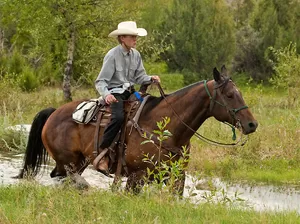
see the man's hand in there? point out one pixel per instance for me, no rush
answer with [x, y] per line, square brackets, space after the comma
[109, 99]
[155, 78]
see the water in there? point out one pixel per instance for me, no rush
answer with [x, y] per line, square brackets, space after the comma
[259, 198]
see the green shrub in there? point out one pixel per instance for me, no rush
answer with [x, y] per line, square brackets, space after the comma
[286, 66]
[28, 81]
[287, 72]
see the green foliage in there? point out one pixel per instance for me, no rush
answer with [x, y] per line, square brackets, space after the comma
[13, 141]
[247, 58]
[165, 169]
[11, 138]
[14, 63]
[28, 80]
[287, 72]
[242, 11]
[287, 67]
[201, 39]
[275, 21]
[154, 45]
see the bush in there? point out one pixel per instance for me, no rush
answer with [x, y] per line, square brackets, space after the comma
[28, 81]
[287, 72]
[286, 66]
[202, 39]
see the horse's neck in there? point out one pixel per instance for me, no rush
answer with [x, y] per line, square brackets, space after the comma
[191, 105]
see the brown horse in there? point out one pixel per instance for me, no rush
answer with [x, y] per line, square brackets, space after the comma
[70, 143]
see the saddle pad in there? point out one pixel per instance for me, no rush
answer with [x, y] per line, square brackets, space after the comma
[85, 111]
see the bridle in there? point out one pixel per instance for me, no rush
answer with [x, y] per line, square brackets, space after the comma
[231, 111]
[213, 101]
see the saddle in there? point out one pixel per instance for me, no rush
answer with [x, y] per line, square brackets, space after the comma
[96, 112]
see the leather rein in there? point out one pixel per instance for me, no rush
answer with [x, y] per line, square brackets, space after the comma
[213, 100]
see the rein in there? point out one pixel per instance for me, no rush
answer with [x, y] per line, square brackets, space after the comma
[212, 99]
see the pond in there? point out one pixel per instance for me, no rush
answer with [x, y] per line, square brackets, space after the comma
[259, 198]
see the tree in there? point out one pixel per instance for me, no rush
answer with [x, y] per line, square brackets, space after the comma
[202, 37]
[65, 36]
[275, 21]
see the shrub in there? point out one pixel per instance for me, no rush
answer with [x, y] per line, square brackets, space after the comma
[28, 81]
[286, 66]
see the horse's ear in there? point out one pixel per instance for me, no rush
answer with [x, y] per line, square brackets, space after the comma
[224, 71]
[217, 75]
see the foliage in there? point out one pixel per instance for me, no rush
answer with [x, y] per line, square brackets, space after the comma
[36, 36]
[11, 138]
[40, 33]
[242, 11]
[287, 71]
[247, 58]
[286, 66]
[276, 23]
[202, 39]
[169, 170]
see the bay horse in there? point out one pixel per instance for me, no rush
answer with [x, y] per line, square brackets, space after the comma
[54, 132]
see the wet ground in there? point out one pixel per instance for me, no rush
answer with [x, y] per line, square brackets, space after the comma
[259, 198]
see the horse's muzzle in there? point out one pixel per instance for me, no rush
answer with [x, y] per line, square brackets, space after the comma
[249, 127]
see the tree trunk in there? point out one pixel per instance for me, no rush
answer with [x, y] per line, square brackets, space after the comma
[69, 65]
[1, 40]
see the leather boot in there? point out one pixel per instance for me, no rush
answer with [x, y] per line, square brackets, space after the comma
[101, 163]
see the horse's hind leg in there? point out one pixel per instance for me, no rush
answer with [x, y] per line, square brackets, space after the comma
[72, 169]
[58, 171]
[135, 182]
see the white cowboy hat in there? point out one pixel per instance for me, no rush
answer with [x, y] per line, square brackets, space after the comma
[128, 28]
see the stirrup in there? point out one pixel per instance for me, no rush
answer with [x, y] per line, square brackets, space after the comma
[97, 161]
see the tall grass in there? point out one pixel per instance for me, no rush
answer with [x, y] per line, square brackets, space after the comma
[31, 203]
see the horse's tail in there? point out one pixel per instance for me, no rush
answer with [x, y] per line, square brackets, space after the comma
[35, 154]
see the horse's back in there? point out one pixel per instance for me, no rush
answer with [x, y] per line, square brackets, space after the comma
[60, 131]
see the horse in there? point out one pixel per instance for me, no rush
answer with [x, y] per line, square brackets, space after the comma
[70, 144]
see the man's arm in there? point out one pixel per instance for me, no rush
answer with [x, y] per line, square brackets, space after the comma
[105, 75]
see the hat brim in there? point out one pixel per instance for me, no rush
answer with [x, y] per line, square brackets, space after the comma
[138, 32]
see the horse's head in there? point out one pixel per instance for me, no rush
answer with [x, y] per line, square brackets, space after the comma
[227, 103]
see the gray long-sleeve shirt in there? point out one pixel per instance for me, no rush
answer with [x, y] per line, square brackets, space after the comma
[118, 68]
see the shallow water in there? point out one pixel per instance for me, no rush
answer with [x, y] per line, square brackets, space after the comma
[259, 198]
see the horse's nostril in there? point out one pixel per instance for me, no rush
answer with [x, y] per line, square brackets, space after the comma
[252, 125]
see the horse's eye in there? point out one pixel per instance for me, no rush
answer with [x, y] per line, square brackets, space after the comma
[229, 95]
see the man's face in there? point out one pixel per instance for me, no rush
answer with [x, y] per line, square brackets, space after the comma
[129, 40]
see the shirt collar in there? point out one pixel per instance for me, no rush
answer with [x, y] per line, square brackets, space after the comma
[124, 52]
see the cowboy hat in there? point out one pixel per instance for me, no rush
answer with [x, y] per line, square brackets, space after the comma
[128, 28]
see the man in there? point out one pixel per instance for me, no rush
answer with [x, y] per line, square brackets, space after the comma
[122, 68]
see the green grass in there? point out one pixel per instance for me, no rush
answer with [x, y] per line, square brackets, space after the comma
[30, 203]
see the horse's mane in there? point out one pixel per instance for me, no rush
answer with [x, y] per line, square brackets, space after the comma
[153, 101]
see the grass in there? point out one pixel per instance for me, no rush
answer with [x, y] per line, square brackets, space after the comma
[31, 203]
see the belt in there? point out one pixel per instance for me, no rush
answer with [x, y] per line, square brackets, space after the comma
[121, 87]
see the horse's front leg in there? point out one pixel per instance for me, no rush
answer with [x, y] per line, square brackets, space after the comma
[178, 185]
[135, 182]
